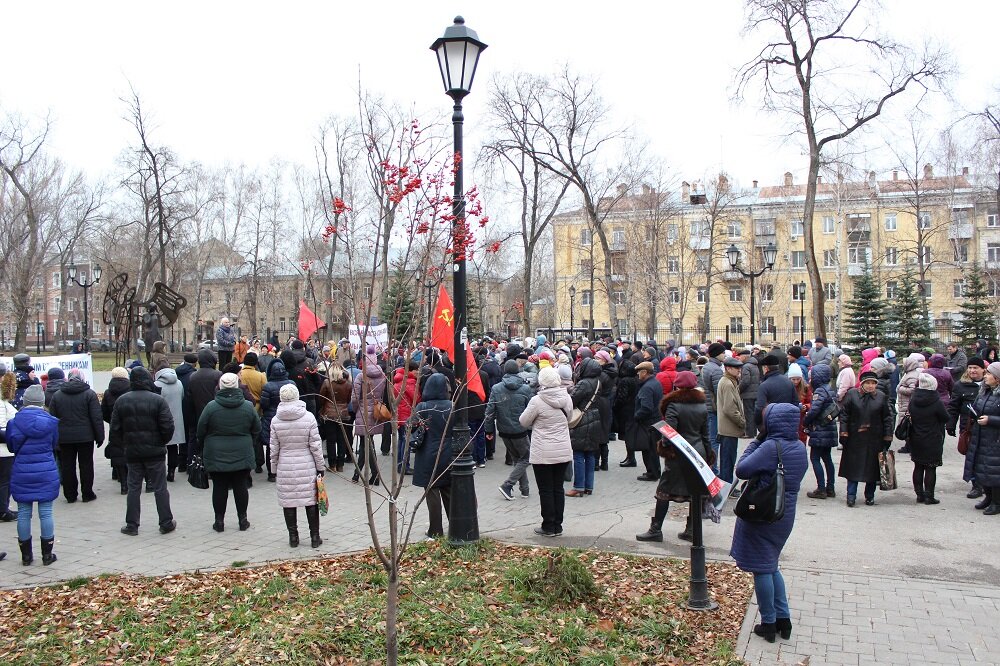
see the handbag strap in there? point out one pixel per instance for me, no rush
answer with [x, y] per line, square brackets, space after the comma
[781, 465]
[593, 397]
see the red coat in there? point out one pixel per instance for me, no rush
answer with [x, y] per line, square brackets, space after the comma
[806, 402]
[667, 374]
[406, 402]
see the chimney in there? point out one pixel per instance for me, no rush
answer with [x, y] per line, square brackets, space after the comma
[622, 189]
[788, 179]
[895, 175]
[685, 190]
[928, 171]
[965, 171]
[819, 180]
[755, 184]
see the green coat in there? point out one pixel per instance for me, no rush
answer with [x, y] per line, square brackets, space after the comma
[227, 430]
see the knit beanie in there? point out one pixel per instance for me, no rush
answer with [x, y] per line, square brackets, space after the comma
[56, 373]
[119, 373]
[994, 369]
[289, 393]
[34, 396]
[250, 359]
[549, 377]
[845, 361]
[565, 372]
[229, 381]
[926, 381]
[794, 370]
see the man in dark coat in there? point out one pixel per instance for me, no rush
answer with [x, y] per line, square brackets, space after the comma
[141, 420]
[623, 408]
[711, 373]
[56, 380]
[957, 361]
[202, 384]
[749, 382]
[80, 426]
[184, 372]
[774, 387]
[962, 396]
[865, 431]
[647, 412]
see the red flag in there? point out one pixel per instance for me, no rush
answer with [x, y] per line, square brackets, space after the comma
[309, 323]
[443, 337]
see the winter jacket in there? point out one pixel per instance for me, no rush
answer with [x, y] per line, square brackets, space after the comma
[79, 413]
[306, 379]
[908, 381]
[774, 387]
[846, 380]
[296, 454]
[945, 383]
[202, 385]
[732, 420]
[508, 400]
[277, 377]
[25, 376]
[493, 372]
[647, 412]
[115, 450]
[172, 391]
[749, 379]
[227, 430]
[823, 436]
[32, 436]
[547, 415]
[623, 406]
[433, 453]
[592, 430]
[867, 356]
[711, 373]
[928, 417]
[957, 363]
[609, 384]
[254, 380]
[667, 374]
[368, 388]
[158, 355]
[7, 413]
[335, 400]
[757, 546]
[982, 460]
[406, 396]
[685, 411]
[141, 420]
[52, 387]
[225, 338]
[866, 426]
[963, 395]
[820, 355]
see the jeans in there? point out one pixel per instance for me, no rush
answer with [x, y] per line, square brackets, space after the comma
[69, 454]
[518, 448]
[713, 438]
[435, 498]
[154, 472]
[583, 470]
[222, 482]
[549, 480]
[870, 486]
[728, 450]
[771, 599]
[822, 457]
[6, 465]
[478, 436]
[48, 526]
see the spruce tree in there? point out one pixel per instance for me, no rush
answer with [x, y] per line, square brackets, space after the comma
[399, 309]
[473, 314]
[907, 319]
[865, 312]
[978, 317]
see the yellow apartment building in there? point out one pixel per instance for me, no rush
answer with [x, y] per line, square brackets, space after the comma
[670, 273]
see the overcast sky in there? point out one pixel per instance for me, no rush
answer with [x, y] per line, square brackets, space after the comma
[248, 81]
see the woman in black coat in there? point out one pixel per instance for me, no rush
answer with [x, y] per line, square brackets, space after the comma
[433, 452]
[982, 460]
[928, 418]
[865, 430]
[115, 450]
[684, 409]
[592, 431]
[624, 409]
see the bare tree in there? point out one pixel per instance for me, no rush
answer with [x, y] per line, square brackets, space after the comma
[833, 77]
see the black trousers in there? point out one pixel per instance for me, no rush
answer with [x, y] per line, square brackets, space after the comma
[924, 479]
[435, 498]
[651, 459]
[549, 480]
[222, 483]
[70, 454]
[225, 357]
[338, 440]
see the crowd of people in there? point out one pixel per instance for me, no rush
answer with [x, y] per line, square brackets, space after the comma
[307, 409]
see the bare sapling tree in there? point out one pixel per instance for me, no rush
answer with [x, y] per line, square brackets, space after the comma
[826, 70]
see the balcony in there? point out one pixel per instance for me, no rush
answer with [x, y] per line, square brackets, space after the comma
[855, 270]
[761, 240]
[616, 246]
[959, 230]
[992, 264]
[732, 276]
[699, 242]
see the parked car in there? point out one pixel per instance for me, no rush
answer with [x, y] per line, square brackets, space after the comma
[100, 345]
[208, 344]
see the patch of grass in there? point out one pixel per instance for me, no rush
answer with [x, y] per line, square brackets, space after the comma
[76, 583]
[239, 563]
[560, 578]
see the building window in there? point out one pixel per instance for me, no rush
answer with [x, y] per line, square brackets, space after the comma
[961, 251]
[797, 325]
[925, 288]
[69, 304]
[993, 252]
[858, 256]
[797, 228]
[586, 266]
[767, 325]
[208, 297]
[767, 293]
[992, 220]
[650, 234]
[890, 289]
[281, 324]
[702, 294]
[736, 325]
[891, 258]
[829, 258]
[798, 258]
[736, 294]
[56, 280]
[674, 295]
[890, 222]
[830, 289]
[699, 228]
[959, 215]
[586, 238]
[56, 304]
[828, 225]
[993, 288]
[702, 262]
[618, 297]
[673, 232]
[673, 264]
[618, 237]
[367, 292]
[925, 254]
[958, 288]
[585, 298]
[924, 219]
[798, 294]
[734, 229]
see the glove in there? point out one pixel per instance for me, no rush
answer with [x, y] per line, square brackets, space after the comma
[843, 440]
[321, 473]
[489, 436]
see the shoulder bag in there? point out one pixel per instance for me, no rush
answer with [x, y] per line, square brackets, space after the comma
[902, 431]
[764, 503]
[197, 476]
[577, 414]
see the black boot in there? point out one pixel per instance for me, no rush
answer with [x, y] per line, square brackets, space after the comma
[48, 557]
[975, 493]
[27, 557]
[292, 523]
[654, 533]
[987, 499]
[374, 480]
[994, 508]
[170, 474]
[765, 631]
[783, 625]
[357, 476]
[312, 515]
[244, 523]
[686, 534]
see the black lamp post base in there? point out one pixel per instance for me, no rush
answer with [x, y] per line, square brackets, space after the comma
[463, 523]
[698, 596]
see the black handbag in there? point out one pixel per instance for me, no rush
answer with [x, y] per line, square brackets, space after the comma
[762, 503]
[903, 429]
[197, 476]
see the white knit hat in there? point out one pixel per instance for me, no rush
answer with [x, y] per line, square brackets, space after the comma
[289, 393]
[794, 370]
[119, 373]
[549, 377]
[927, 381]
[229, 381]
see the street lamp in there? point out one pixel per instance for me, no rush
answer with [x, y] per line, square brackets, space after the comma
[85, 285]
[458, 56]
[572, 303]
[802, 313]
[770, 254]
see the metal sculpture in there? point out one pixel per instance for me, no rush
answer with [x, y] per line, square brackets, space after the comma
[122, 311]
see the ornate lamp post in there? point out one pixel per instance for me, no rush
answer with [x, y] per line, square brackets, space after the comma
[458, 54]
[770, 254]
[802, 313]
[85, 285]
[572, 304]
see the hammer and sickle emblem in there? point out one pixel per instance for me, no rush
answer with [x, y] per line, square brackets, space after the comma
[446, 316]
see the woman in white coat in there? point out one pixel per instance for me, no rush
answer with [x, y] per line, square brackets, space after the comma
[297, 459]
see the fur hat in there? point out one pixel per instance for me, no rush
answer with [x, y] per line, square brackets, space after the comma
[927, 381]
[229, 381]
[685, 380]
[34, 396]
[868, 376]
[770, 360]
[645, 365]
[250, 359]
[549, 377]
[289, 393]
[716, 349]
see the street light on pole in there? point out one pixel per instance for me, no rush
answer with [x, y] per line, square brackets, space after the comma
[85, 285]
[802, 313]
[770, 254]
[458, 54]
[572, 303]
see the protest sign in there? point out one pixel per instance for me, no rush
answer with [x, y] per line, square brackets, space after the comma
[718, 489]
[41, 364]
[374, 335]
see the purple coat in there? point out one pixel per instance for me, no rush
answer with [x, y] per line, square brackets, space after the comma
[943, 376]
[757, 546]
[368, 387]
